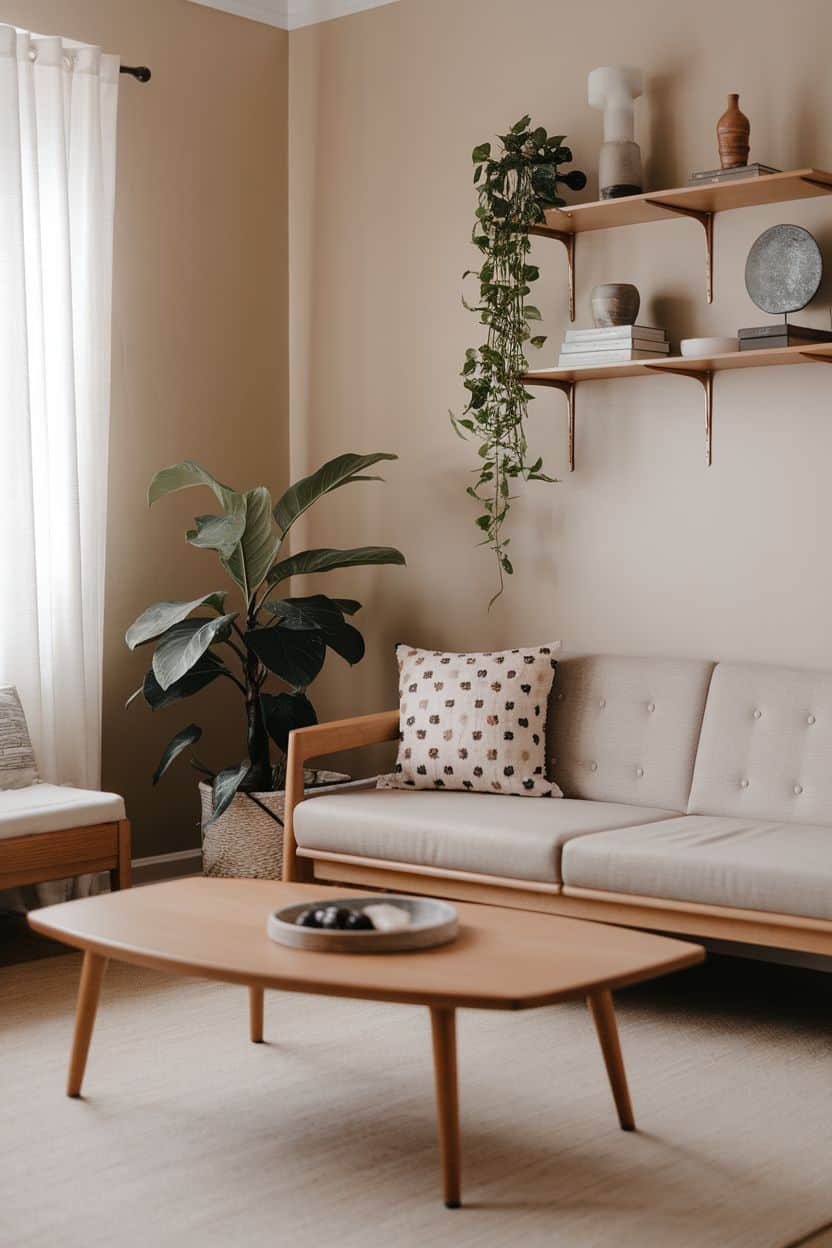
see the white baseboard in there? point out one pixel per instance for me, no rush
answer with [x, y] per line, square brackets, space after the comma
[167, 866]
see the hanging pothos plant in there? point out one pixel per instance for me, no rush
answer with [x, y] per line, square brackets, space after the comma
[514, 187]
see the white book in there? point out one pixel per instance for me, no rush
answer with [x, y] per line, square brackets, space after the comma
[604, 332]
[599, 358]
[612, 344]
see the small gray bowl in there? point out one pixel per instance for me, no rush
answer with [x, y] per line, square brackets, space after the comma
[431, 923]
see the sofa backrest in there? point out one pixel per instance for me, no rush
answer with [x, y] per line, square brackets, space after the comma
[627, 729]
[765, 749]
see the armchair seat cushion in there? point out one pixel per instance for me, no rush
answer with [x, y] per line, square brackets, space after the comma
[43, 808]
[488, 834]
[748, 864]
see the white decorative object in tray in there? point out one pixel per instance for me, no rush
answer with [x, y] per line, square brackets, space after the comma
[431, 923]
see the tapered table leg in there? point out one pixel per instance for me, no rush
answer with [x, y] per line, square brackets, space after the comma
[255, 1014]
[443, 1025]
[92, 973]
[603, 1015]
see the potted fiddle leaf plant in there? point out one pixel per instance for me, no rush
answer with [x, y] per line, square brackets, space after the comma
[269, 646]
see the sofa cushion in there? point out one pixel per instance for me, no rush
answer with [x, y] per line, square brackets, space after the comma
[744, 863]
[626, 729]
[53, 807]
[489, 834]
[766, 745]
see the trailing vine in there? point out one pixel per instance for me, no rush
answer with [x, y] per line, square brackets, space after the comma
[514, 187]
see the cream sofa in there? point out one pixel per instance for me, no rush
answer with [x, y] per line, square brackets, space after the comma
[698, 799]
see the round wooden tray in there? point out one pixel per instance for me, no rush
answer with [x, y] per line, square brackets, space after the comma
[431, 923]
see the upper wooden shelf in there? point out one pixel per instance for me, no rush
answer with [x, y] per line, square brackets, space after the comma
[605, 214]
[700, 203]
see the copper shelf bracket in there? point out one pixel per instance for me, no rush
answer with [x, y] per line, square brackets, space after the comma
[705, 377]
[568, 239]
[706, 220]
[568, 388]
[817, 359]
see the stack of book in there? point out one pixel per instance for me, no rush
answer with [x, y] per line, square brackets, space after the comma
[711, 176]
[612, 344]
[759, 337]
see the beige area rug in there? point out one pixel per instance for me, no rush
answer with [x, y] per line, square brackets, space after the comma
[325, 1136]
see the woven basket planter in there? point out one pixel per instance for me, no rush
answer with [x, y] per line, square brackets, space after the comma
[247, 841]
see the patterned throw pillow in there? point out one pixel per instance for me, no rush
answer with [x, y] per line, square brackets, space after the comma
[17, 758]
[475, 721]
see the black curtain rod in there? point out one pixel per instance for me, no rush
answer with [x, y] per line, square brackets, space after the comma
[139, 72]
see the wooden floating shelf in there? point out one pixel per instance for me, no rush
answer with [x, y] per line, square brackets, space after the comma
[701, 203]
[701, 368]
[770, 188]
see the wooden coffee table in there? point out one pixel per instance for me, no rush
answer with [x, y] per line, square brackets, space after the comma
[502, 960]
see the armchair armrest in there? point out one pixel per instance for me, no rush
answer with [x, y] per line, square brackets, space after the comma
[331, 738]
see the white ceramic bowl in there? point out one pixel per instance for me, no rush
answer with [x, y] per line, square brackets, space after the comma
[432, 923]
[707, 346]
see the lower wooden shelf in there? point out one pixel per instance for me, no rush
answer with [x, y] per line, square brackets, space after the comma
[700, 368]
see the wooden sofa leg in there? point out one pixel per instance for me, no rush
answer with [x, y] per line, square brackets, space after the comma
[121, 875]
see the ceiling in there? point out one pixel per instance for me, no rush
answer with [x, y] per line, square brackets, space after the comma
[290, 14]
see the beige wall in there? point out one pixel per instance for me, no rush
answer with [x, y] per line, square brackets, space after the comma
[643, 549]
[199, 337]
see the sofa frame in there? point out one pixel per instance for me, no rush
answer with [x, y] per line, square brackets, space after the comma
[44, 856]
[754, 927]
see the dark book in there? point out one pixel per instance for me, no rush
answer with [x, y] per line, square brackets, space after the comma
[784, 340]
[781, 328]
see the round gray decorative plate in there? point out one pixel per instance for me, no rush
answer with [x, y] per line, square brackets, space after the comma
[784, 269]
[431, 923]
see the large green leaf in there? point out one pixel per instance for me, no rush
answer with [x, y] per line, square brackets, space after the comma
[316, 611]
[348, 605]
[220, 533]
[324, 560]
[283, 712]
[252, 557]
[203, 673]
[188, 736]
[295, 655]
[177, 652]
[226, 784]
[163, 615]
[337, 472]
[346, 641]
[187, 473]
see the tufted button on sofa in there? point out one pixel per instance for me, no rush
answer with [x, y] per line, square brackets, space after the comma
[698, 799]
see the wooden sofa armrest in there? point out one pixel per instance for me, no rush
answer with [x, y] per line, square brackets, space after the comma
[331, 738]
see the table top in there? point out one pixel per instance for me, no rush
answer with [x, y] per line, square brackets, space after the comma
[502, 959]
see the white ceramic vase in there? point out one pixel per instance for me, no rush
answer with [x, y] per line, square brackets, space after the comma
[614, 89]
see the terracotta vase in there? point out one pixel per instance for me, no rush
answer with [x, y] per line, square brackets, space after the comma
[732, 133]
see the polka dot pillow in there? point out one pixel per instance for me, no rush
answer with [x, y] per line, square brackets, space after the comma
[475, 721]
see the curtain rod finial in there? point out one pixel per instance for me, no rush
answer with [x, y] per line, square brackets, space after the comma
[140, 72]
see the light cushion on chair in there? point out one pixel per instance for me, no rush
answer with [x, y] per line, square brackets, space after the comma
[17, 758]
[53, 807]
[475, 721]
[749, 864]
[625, 729]
[486, 833]
[766, 745]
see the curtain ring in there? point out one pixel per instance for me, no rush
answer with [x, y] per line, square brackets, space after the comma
[33, 54]
[69, 62]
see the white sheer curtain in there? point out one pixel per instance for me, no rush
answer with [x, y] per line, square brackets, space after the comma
[58, 104]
